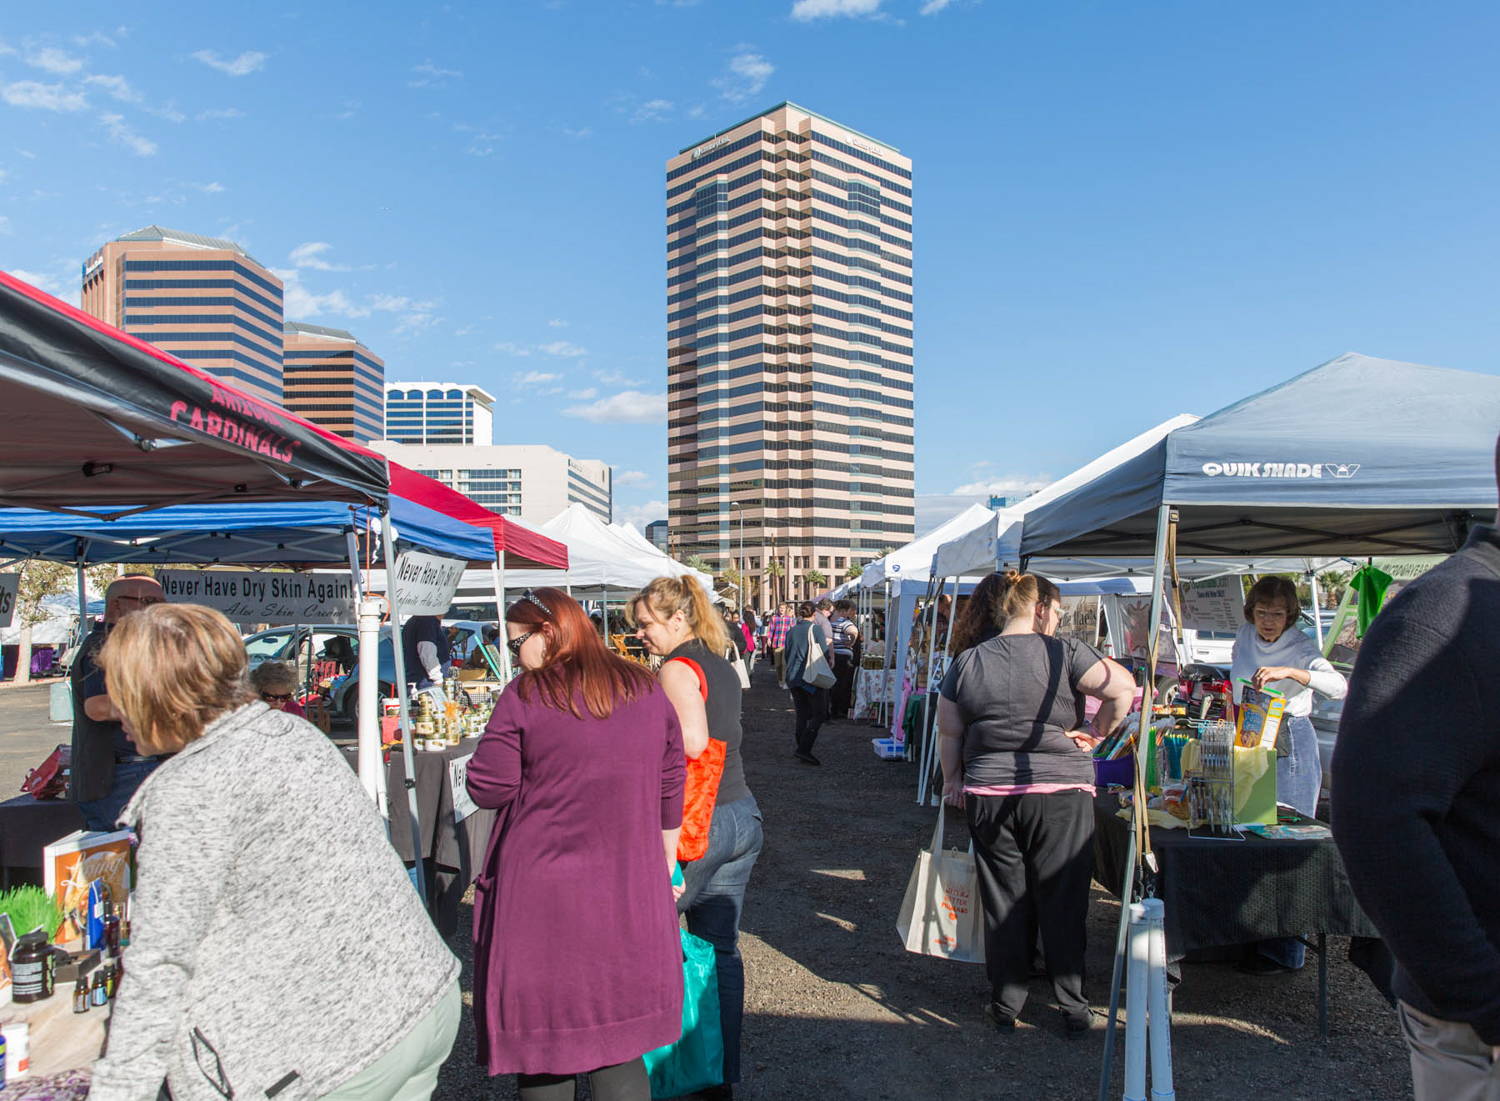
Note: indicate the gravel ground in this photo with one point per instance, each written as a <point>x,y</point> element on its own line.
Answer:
<point>836,1008</point>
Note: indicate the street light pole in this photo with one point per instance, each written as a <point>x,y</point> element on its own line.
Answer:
<point>739,567</point>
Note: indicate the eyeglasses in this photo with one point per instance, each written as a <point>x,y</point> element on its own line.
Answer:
<point>514,644</point>
<point>276,697</point>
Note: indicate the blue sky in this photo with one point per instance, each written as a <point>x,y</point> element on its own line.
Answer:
<point>1122,212</point>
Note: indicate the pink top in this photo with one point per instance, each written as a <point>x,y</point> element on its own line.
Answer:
<point>1028,789</point>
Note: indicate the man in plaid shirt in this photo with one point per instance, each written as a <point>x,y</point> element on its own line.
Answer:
<point>777,627</point>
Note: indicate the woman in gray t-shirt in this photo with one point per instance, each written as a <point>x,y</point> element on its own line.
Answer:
<point>1016,756</point>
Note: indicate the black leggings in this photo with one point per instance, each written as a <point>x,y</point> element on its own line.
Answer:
<point>621,1082</point>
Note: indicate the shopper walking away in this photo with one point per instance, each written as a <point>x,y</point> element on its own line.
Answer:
<point>751,623</point>
<point>809,700</point>
<point>823,618</point>
<point>577,959</point>
<point>1271,652</point>
<point>777,628</point>
<point>107,767</point>
<point>426,651</point>
<point>845,639</point>
<point>258,833</point>
<point>1416,776</point>
<point>675,621</point>
<point>1016,756</point>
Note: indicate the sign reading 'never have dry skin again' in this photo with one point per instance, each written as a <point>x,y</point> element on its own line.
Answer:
<point>10,585</point>
<point>248,596</point>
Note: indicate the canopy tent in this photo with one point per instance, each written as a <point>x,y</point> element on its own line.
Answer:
<point>521,547</point>
<point>98,419</point>
<point>249,534</point>
<point>601,561</point>
<point>1359,456</point>
<point>628,533</point>
<point>915,558</point>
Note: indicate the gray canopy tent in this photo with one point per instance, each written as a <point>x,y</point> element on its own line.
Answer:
<point>1359,456</point>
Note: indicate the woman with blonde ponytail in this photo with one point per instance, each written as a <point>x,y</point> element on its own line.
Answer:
<point>676,621</point>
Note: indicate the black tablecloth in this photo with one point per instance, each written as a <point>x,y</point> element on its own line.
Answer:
<point>1218,893</point>
<point>27,825</point>
<point>451,851</point>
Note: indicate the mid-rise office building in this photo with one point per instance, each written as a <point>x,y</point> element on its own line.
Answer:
<point>438,413</point>
<point>204,299</point>
<point>532,482</point>
<point>656,533</point>
<point>333,380</point>
<point>789,349</point>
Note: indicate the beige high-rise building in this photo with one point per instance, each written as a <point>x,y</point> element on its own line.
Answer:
<point>789,350</point>
<point>204,299</point>
<point>333,380</point>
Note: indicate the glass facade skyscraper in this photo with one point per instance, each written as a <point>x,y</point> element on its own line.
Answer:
<point>789,350</point>
<point>331,379</point>
<point>438,413</point>
<point>204,299</point>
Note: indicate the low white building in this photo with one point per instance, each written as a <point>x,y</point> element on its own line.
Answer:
<point>532,482</point>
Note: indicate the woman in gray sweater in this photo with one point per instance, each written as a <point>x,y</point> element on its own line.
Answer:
<point>277,947</point>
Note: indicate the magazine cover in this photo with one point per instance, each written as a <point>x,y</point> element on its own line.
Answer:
<point>71,863</point>
<point>1259,717</point>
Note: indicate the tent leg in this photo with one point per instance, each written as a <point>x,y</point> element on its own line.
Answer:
<point>924,765</point>
<point>388,542</point>
<point>368,697</point>
<point>497,574</point>
<point>83,604</point>
<point>353,544</point>
<point>930,741</point>
<point>1312,579</point>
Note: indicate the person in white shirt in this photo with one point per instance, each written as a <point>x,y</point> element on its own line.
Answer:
<point>1271,652</point>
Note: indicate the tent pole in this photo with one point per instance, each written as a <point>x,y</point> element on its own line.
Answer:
<point>930,739</point>
<point>1312,579</point>
<point>497,574</point>
<point>923,767</point>
<point>367,697</point>
<point>353,545</point>
<point>388,544</point>
<point>83,603</point>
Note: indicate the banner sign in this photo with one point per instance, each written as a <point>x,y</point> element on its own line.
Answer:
<point>247,596</point>
<point>425,583</point>
<point>458,781</point>
<point>1217,605</point>
<point>1080,618</point>
<point>1129,618</point>
<point>10,585</point>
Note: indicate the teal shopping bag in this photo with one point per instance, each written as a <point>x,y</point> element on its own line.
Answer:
<point>696,1060</point>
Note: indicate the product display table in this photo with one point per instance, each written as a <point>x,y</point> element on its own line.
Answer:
<point>27,825</point>
<point>60,1040</point>
<point>1221,893</point>
<point>872,687</point>
<point>452,851</point>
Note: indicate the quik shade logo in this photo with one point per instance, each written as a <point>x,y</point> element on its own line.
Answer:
<point>1281,470</point>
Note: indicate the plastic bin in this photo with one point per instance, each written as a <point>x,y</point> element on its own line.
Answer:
<point>1120,772</point>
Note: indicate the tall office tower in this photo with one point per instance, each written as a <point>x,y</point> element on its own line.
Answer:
<point>531,481</point>
<point>789,350</point>
<point>204,299</point>
<point>331,379</point>
<point>438,413</point>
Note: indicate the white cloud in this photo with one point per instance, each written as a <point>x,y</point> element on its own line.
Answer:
<point>430,74</point>
<point>534,378</point>
<point>748,73</point>
<point>298,302</point>
<point>652,111</point>
<point>584,132</point>
<point>392,303</point>
<point>310,255</point>
<point>932,7</point>
<point>50,97</point>
<point>170,113</point>
<point>563,348</point>
<point>120,131</point>
<point>416,321</point>
<point>116,86</point>
<point>67,290</point>
<point>626,407</point>
<point>510,347</point>
<point>211,188</point>
<point>615,378</point>
<point>54,60</point>
<point>1005,485</point>
<point>807,10</point>
<point>557,323</point>
<point>5,230</point>
<point>640,515</point>
<point>584,395</point>
<point>251,61</point>
<point>465,331</point>
<point>94,39</point>
<point>220,113</point>
<point>633,478</point>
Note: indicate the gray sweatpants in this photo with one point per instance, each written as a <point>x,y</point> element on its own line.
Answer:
<point>1449,1062</point>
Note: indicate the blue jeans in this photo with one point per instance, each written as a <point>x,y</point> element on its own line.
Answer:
<point>102,814</point>
<point>712,899</point>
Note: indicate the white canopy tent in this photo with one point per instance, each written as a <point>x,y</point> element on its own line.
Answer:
<point>915,559</point>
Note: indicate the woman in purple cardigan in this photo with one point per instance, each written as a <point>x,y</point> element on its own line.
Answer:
<point>577,959</point>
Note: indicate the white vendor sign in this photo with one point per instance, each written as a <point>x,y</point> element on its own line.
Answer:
<point>458,780</point>
<point>247,596</point>
<point>1216,605</point>
<point>425,583</point>
<point>10,585</point>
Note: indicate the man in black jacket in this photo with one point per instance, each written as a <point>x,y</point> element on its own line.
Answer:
<point>1416,779</point>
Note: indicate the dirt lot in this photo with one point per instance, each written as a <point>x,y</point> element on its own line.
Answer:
<point>835,1008</point>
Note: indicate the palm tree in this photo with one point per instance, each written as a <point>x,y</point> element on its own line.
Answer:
<point>815,581</point>
<point>775,570</point>
<point>698,562</point>
<point>855,569</point>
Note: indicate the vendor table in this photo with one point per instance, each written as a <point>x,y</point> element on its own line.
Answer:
<point>60,1040</point>
<point>452,851</point>
<point>28,825</point>
<point>1221,893</point>
<point>872,687</point>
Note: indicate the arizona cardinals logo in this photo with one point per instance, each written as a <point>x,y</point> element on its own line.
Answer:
<point>1341,470</point>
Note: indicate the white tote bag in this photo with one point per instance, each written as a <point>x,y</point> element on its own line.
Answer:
<point>941,914</point>
<point>732,656</point>
<point>818,673</point>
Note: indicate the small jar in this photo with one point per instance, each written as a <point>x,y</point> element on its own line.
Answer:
<point>32,968</point>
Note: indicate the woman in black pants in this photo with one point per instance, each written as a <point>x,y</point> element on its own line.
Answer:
<point>1015,756</point>
<point>810,701</point>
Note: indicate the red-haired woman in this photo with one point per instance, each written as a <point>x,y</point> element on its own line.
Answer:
<point>577,963</point>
